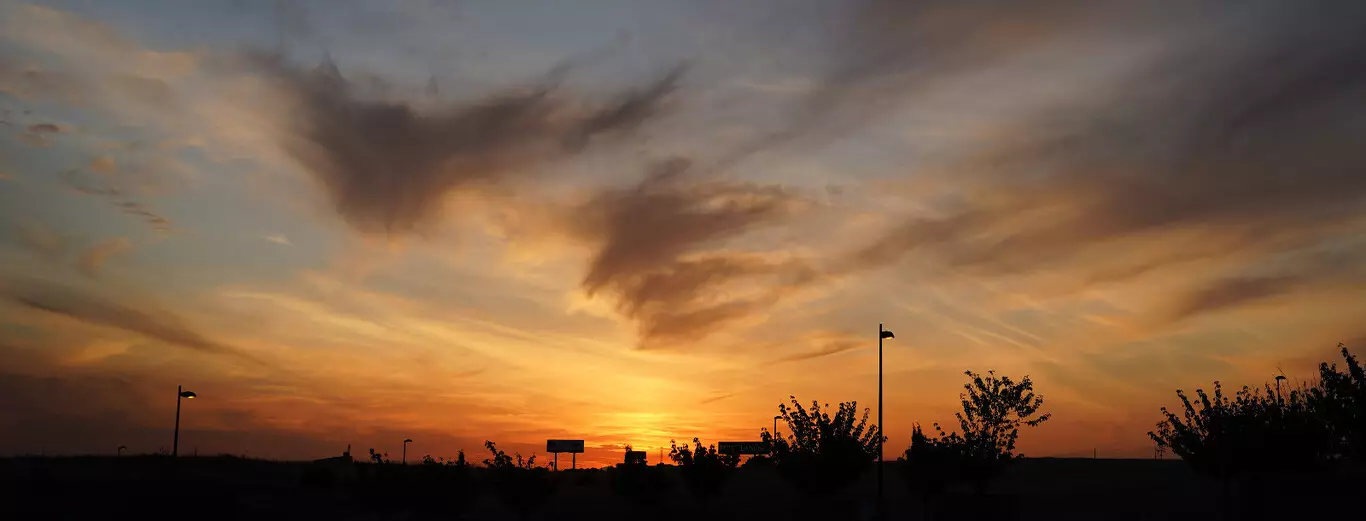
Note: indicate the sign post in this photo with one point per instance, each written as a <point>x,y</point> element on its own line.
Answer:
<point>573,447</point>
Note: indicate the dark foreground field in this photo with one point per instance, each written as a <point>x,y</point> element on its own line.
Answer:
<point>233,488</point>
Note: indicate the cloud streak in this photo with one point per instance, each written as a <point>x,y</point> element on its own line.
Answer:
<point>76,305</point>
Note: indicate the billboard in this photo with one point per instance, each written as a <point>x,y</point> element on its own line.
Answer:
<point>742,447</point>
<point>569,446</point>
<point>636,457</point>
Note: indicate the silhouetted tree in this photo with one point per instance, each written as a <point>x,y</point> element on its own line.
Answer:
<point>1254,432</point>
<point>520,484</point>
<point>994,409</point>
<point>1340,399</point>
<point>1261,434</point>
<point>704,469</point>
<point>823,454</point>
<point>376,457</point>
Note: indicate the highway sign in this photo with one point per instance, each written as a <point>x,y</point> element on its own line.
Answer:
<point>742,447</point>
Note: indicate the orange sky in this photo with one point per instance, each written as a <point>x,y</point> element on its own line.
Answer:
<point>347,223</point>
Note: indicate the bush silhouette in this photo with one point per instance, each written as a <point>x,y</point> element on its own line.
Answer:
<point>638,483</point>
<point>704,469</point>
<point>823,454</point>
<point>1262,431</point>
<point>932,464</point>
<point>441,486</point>
<point>518,483</point>
<point>1340,399</point>
<point>1263,435</point>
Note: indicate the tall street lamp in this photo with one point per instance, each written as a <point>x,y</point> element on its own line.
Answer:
<point>188,395</point>
<point>406,441</point>
<point>881,434</point>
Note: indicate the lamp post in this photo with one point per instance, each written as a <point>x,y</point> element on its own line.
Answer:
<point>180,392</point>
<point>881,434</point>
<point>1279,377</point>
<point>775,427</point>
<point>406,441</point>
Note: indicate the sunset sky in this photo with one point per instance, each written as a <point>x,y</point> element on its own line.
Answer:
<point>626,221</point>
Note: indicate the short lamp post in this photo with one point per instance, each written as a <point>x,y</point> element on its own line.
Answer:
<point>406,441</point>
<point>180,392</point>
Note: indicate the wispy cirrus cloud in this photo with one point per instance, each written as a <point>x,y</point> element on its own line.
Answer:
<point>1261,171</point>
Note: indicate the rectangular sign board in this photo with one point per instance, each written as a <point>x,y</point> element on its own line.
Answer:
<point>568,446</point>
<point>742,447</point>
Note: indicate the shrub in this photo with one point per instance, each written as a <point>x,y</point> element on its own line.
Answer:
<point>519,484</point>
<point>641,485</point>
<point>1340,399</point>
<point>823,454</point>
<point>704,469</point>
<point>1254,432</point>
<point>931,464</point>
<point>994,409</point>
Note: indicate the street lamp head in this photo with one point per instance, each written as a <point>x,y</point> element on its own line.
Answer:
<point>187,394</point>
<point>1280,377</point>
<point>888,334</point>
<point>407,440</point>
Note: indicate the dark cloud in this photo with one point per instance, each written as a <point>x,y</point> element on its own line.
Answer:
<point>85,186</point>
<point>388,166</point>
<point>1232,292</point>
<point>152,220</point>
<point>155,324</point>
<point>44,128</point>
<point>659,250</point>
<point>1246,133</point>
<point>716,398</point>
<point>40,134</point>
<point>830,348</point>
<point>1320,270</point>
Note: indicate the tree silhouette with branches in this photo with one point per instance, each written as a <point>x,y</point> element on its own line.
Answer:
<point>823,453</point>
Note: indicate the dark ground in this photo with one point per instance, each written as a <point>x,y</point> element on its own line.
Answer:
<point>233,488</point>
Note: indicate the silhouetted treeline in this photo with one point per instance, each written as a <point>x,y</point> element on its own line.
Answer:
<point>1273,429</point>
<point>822,464</point>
